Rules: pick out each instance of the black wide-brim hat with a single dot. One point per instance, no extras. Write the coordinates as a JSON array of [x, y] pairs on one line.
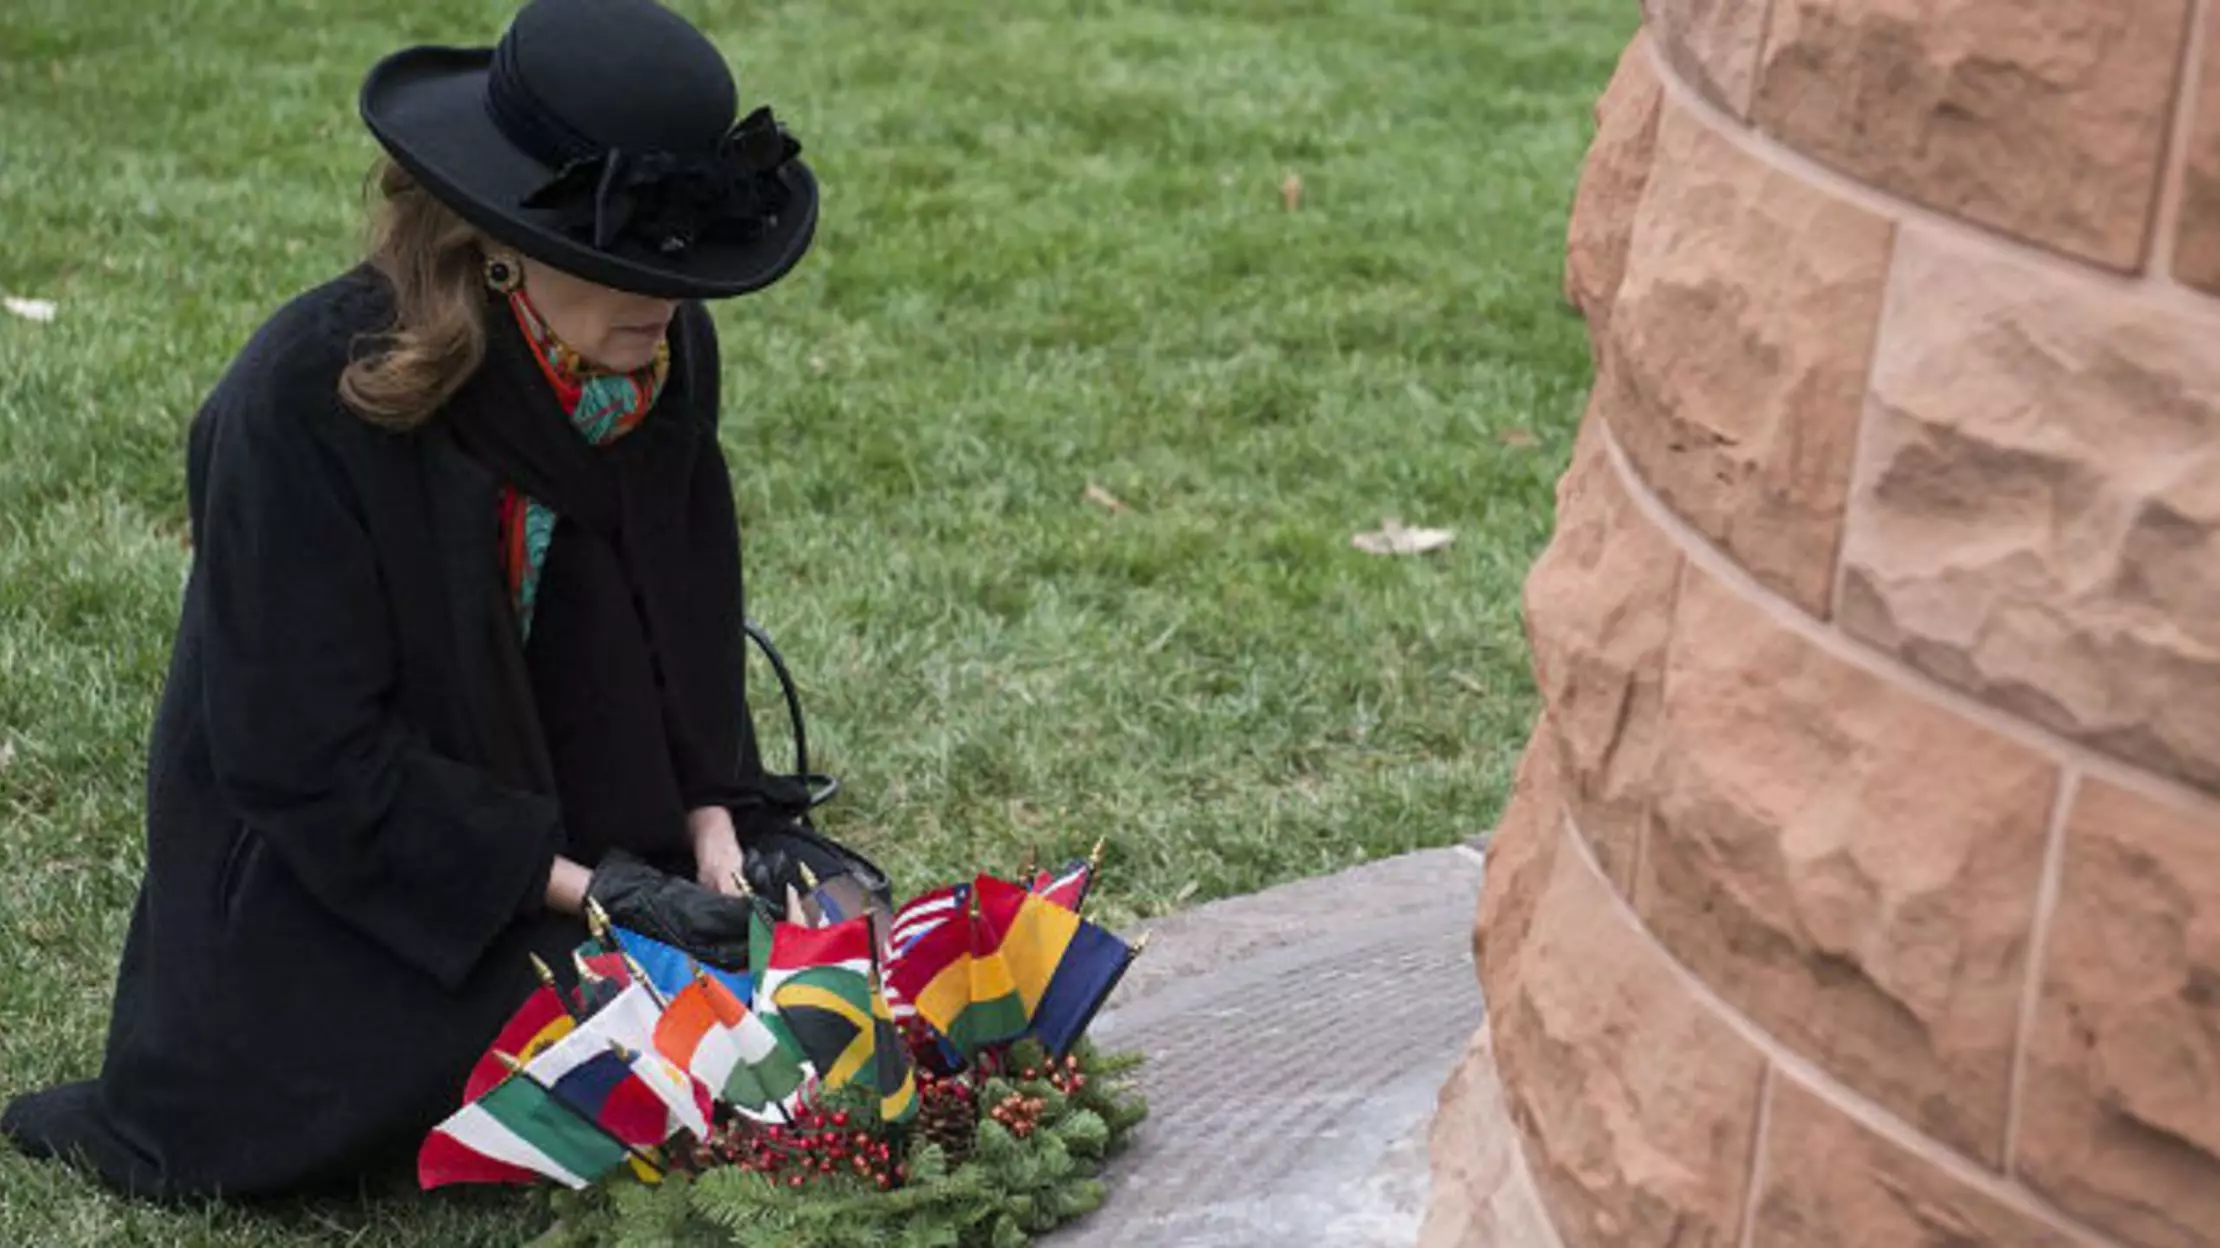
[[598, 137]]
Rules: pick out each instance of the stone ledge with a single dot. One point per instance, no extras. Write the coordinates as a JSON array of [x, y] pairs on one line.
[[1296, 1040]]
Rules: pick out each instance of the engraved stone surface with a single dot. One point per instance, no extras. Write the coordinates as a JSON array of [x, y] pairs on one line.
[[2121, 1124], [1852, 866], [2037, 518], [1262, 1130], [2046, 121], [1738, 351]]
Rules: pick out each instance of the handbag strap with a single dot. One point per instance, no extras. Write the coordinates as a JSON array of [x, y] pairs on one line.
[[818, 788]]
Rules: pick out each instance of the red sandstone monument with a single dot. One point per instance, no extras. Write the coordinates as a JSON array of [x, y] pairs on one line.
[[1862, 882]]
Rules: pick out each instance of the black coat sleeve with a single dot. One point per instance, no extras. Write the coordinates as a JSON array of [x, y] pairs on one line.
[[427, 856], [714, 754]]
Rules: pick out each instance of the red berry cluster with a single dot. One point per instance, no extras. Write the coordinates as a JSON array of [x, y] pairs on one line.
[[1021, 1113], [942, 1093], [1065, 1076], [814, 1146]]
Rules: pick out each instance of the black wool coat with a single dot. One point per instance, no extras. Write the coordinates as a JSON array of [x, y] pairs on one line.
[[350, 816]]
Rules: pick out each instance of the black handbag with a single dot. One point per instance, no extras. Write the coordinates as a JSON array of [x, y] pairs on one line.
[[777, 850]]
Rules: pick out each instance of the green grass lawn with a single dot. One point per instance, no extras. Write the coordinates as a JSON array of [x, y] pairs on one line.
[[1055, 254]]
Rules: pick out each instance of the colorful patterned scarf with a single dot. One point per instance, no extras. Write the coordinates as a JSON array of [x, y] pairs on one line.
[[603, 406]]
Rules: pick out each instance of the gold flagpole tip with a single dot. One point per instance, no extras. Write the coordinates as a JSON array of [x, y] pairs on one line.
[[541, 969], [508, 1060], [1094, 856], [623, 1054], [740, 882], [809, 877], [597, 920], [1142, 943]]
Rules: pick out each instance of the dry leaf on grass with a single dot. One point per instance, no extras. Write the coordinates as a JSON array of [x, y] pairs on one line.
[[1517, 437], [1395, 538], [1291, 190], [29, 309], [1105, 499]]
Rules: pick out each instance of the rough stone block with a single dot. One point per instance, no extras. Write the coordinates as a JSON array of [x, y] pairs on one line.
[[1831, 1183], [1598, 611], [1481, 1195], [1610, 188], [1852, 866], [2121, 1121], [1634, 1101], [2037, 518], [1712, 44], [2045, 121], [2197, 234], [1738, 351], [1519, 856]]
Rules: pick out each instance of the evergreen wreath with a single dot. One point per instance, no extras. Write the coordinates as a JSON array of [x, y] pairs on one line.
[[998, 1154]]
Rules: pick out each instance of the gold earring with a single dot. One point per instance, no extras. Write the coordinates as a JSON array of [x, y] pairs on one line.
[[503, 274]]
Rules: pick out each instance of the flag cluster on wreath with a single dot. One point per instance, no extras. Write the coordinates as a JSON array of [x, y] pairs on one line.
[[651, 1046]]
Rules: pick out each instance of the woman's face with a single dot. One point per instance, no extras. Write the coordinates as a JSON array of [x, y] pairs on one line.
[[613, 328]]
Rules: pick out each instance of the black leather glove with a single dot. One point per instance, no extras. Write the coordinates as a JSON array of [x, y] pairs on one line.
[[711, 926], [777, 850]]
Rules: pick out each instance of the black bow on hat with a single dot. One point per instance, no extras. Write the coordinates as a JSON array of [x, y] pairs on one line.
[[672, 199], [597, 137]]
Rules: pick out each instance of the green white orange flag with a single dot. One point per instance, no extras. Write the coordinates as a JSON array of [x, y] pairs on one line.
[[731, 1049]]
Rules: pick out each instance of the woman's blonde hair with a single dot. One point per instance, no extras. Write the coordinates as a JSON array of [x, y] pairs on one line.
[[434, 261]]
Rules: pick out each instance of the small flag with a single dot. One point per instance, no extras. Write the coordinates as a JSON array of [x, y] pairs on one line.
[[1091, 966], [601, 977], [842, 1024], [515, 1132], [670, 969], [1067, 885], [1018, 938], [730, 1049], [953, 977], [538, 1023], [659, 1099], [926, 911]]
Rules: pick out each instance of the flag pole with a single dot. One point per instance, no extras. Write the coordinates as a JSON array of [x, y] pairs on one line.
[[639, 976], [597, 922], [597, 925], [1094, 864], [547, 981], [518, 1069]]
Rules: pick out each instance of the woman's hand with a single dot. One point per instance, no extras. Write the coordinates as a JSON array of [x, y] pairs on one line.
[[566, 887], [717, 856]]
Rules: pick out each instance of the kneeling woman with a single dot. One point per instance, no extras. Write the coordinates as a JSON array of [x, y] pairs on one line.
[[461, 644]]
